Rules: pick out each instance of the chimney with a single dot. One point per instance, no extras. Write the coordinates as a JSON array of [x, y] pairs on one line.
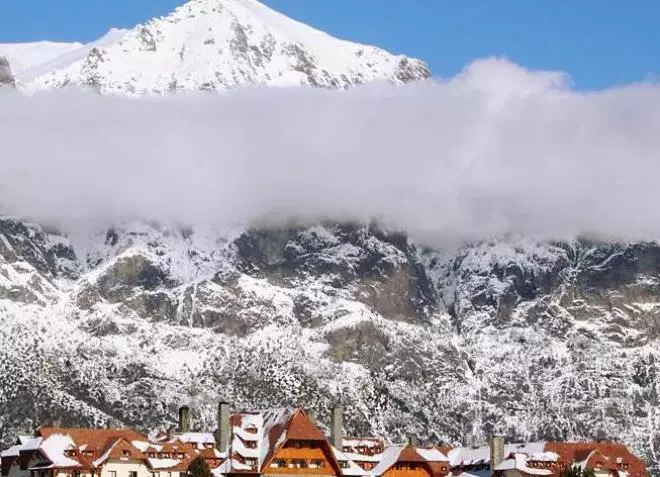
[[337, 427], [184, 419], [222, 433], [496, 451], [412, 440]]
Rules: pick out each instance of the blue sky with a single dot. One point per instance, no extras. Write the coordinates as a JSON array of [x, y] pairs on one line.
[[600, 43]]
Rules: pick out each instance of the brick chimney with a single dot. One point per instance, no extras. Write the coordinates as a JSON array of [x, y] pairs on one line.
[[496, 451], [222, 432], [184, 419], [337, 427]]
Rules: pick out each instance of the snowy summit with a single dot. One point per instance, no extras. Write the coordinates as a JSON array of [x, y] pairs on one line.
[[212, 45]]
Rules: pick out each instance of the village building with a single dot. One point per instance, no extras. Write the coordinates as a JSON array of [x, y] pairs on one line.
[[288, 442], [605, 459]]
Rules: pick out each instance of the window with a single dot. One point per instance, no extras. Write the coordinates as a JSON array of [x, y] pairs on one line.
[[127, 453], [132, 473], [343, 464], [76, 473], [182, 455], [113, 473], [251, 444], [317, 464], [277, 463], [299, 464]]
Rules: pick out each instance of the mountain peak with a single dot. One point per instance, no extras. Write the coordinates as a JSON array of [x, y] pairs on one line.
[[207, 45]]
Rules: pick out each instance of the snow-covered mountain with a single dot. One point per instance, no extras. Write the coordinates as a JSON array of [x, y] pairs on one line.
[[217, 44], [538, 340]]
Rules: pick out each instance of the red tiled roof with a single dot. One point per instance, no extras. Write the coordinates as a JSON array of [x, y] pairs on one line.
[[608, 453], [301, 427], [95, 439], [408, 454]]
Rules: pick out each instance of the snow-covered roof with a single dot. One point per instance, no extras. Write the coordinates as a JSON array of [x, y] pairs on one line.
[[197, 437], [364, 457], [546, 456], [22, 440], [432, 454], [463, 456], [352, 468], [369, 442], [31, 444], [389, 458], [54, 448], [13, 451]]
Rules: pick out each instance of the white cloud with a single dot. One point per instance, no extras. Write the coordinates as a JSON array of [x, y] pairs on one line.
[[498, 149]]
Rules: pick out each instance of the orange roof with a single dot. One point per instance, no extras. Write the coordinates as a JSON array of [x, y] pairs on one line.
[[409, 454], [301, 427], [95, 439], [121, 448]]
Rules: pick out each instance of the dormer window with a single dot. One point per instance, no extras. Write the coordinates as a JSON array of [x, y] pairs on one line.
[[251, 444]]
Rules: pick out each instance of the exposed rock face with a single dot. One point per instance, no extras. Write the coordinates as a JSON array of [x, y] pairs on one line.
[[541, 340], [6, 76]]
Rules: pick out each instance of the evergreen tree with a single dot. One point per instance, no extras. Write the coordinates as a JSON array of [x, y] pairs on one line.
[[199, 468], [576, 471]]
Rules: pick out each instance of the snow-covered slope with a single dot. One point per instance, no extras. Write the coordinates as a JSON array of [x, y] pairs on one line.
[[24, 56], [220, 44], [537, 340]]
